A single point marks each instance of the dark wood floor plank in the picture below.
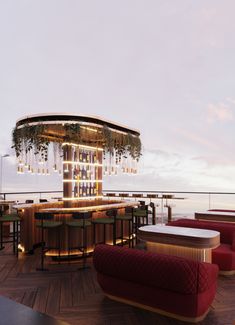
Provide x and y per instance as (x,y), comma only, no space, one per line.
(53,299)
(29,298)
(66,292)
(40,301)
(75,296)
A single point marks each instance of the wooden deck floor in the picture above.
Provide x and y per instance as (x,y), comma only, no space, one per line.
(75,297)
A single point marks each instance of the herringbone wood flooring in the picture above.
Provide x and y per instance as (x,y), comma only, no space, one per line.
(75,296)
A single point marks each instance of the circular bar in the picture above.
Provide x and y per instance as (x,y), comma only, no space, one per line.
(30,235)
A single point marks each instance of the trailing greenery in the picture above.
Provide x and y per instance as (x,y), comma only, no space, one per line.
(37,137)
(30,138)
(72,132)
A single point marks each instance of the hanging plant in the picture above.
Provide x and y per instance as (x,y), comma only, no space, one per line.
(37,137)
(72,132)
(108,140)
(30,137)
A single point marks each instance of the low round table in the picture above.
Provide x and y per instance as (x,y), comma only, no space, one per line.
(191,243)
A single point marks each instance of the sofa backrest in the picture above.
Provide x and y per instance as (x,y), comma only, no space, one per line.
(155,270)
(222,210)
(226,229)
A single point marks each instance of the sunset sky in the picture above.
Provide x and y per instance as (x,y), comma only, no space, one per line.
(164,67)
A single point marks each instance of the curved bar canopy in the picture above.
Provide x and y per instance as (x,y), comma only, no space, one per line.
(34,133)
(69,118)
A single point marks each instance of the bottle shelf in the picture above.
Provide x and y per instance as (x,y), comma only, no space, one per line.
(83,169)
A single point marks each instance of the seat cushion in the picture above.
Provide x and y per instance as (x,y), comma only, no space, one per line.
(140,213)
(9,218)
(49,224)
(124,217)
(103,221)
(79,223)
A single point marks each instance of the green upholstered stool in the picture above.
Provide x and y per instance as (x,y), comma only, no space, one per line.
(111,221)
(45,221)
(126,217)
(15,220)
(140,217)
(81,221)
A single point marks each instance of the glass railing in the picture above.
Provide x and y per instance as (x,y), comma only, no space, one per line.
(182,203)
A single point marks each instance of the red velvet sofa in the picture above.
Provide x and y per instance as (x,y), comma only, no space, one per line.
(169,285)
(224,255)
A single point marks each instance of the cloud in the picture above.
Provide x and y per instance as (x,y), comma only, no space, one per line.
(219,112)
(230,100)
(189,135)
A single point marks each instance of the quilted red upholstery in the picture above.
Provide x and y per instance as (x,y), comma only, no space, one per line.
(233,242)
(226,229)
(170,283)
(224,255)
(173,272)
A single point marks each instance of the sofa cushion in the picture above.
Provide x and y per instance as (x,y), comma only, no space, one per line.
(156,270)
(224,257)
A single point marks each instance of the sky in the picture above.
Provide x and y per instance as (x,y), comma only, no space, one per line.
(163,67)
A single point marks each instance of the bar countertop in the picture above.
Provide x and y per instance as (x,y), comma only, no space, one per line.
(101,207)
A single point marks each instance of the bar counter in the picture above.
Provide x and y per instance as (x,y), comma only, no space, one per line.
(30,235)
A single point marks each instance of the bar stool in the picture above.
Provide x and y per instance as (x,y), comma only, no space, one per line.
(82,220)
(105,221)
(45,221)
(153,212)
(126,217)
(140,217)
(15,220)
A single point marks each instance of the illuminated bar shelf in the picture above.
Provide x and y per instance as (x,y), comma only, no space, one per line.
(82,167)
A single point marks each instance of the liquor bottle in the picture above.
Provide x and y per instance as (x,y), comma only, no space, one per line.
(95,157)
(88,189)
(91,157)
(75,190)
(88,157)
(84,189)
(84,174)
(92,189)
(84,156)
(80,189)
(80,155)
(80,173)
